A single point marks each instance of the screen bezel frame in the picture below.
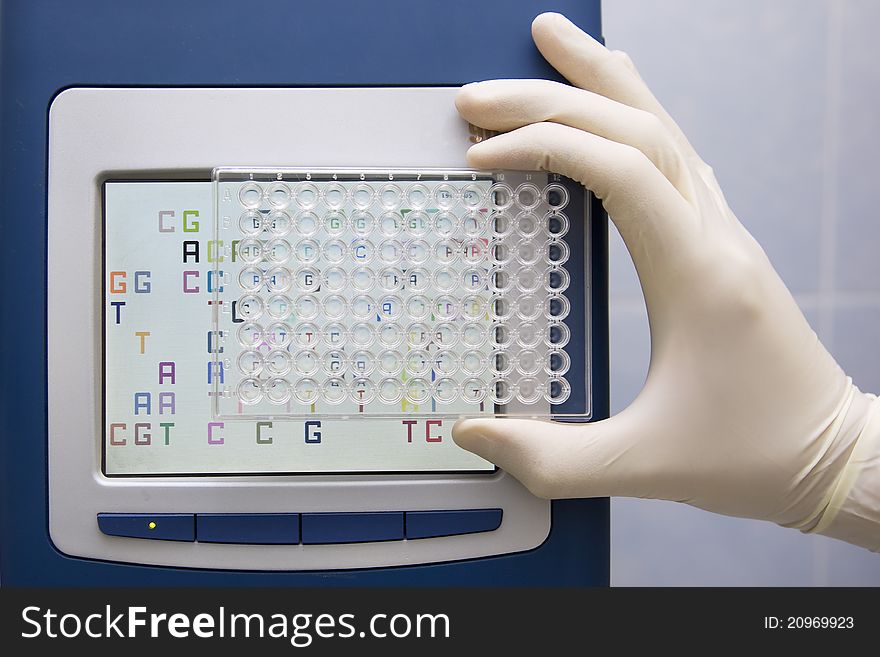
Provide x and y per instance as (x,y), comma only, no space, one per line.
(134,133)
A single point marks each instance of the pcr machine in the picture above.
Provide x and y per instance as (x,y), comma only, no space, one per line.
(250,283)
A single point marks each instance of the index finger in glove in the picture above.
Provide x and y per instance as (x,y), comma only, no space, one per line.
(505,105)
(646,208)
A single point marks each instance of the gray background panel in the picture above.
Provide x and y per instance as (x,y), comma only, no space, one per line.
(781,98)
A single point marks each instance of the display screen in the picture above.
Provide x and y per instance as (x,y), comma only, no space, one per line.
(159,283)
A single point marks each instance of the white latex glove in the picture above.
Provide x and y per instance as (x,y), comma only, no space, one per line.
(743,412)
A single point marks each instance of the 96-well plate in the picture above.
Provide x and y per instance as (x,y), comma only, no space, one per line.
(391,293)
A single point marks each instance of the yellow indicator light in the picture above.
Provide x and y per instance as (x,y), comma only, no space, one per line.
(152,525)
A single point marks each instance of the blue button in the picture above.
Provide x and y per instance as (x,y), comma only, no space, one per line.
(254,528)
(160,526)
(431,524)
(351,527)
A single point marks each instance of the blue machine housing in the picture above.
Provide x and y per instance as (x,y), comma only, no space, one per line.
(52,45)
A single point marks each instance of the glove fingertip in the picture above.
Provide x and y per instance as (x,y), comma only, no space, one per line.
(466,432)
(547,21)
(466,97)
(480,156)
(483,437)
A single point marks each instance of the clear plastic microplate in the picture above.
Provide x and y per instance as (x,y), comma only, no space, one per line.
(399,293)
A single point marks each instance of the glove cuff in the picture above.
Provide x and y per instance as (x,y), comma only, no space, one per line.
(852,512)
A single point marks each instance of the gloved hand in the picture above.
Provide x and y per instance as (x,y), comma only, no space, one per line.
(743,412)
